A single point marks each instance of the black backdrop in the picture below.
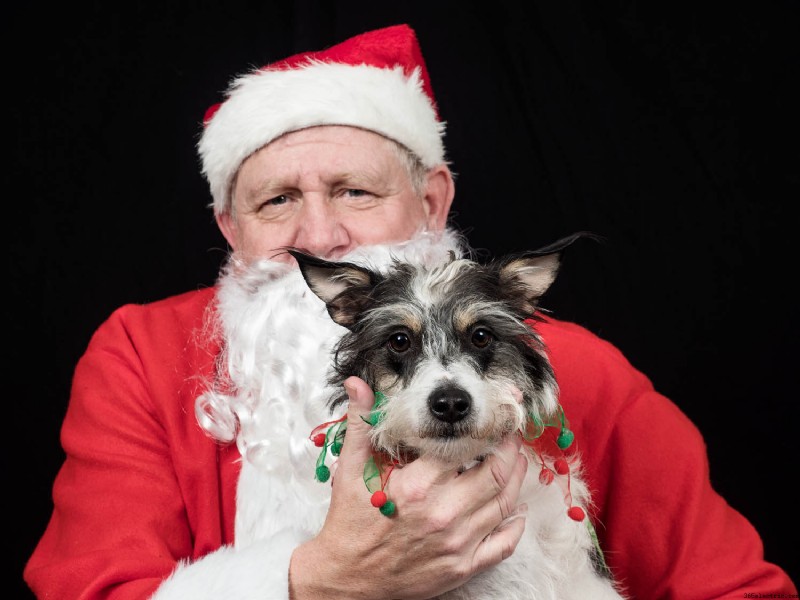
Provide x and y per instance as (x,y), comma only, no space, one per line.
(670,131)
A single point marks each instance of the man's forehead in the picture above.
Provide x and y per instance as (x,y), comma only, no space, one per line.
(301,177)
(336,134)
(336,151)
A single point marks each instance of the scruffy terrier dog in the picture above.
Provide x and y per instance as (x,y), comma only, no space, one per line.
(444,343)
(456,365)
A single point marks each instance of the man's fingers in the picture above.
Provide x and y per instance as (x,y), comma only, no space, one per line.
(500,543)
(503,465)
(504,504)
(357,448)
(496,473)
(507,499)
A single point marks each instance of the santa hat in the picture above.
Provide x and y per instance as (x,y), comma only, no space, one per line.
(376,81)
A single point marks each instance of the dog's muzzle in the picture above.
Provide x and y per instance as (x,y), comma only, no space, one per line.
(450,404)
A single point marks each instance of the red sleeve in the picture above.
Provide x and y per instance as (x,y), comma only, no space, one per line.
(666,533)
(124,512)
(669,533)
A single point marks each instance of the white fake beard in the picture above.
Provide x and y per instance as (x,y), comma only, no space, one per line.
(278,342)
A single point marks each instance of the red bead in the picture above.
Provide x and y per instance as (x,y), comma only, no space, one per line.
(319,440)
(546,476)
(561,466)
(576,513)
(378,499)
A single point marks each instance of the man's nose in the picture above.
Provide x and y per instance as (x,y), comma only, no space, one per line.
(321,231)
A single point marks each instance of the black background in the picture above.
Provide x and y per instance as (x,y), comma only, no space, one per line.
(670,130)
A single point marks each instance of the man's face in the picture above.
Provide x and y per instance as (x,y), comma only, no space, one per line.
(327,190)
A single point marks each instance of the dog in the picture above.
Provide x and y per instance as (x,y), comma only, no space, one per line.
(457,365)
(445,343)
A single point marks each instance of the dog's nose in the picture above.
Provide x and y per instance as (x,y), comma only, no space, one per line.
(450,404)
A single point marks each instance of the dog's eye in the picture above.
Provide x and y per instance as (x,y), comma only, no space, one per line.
(399,342)
(481,337)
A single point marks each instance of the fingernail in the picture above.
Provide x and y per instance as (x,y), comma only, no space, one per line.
(349,389)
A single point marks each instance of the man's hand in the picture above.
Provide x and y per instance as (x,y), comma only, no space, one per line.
(447,528)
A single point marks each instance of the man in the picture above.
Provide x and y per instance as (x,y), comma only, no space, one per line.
(329,152)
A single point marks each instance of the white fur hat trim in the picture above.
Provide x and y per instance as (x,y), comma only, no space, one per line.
(266,104)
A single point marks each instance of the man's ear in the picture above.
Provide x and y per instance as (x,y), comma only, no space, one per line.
(438,196)
(228,228)
(345,288)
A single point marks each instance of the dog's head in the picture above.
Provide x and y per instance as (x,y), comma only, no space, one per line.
(448,346)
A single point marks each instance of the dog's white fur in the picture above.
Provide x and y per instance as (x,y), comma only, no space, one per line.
(278,343)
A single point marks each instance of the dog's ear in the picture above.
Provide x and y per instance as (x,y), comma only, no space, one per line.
(343,287)
(524,278)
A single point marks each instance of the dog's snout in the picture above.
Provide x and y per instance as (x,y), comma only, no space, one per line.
(450,404)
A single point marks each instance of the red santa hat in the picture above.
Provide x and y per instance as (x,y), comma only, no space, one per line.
(376,81)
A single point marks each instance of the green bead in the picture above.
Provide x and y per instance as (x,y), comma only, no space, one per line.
(565,439)
(336,448)
(388,508)
(323,473)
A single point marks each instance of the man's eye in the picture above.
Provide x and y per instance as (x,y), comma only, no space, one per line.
(352,193)
(399,342)
(276,201)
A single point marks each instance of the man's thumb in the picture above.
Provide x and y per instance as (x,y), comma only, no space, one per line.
(357,447)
